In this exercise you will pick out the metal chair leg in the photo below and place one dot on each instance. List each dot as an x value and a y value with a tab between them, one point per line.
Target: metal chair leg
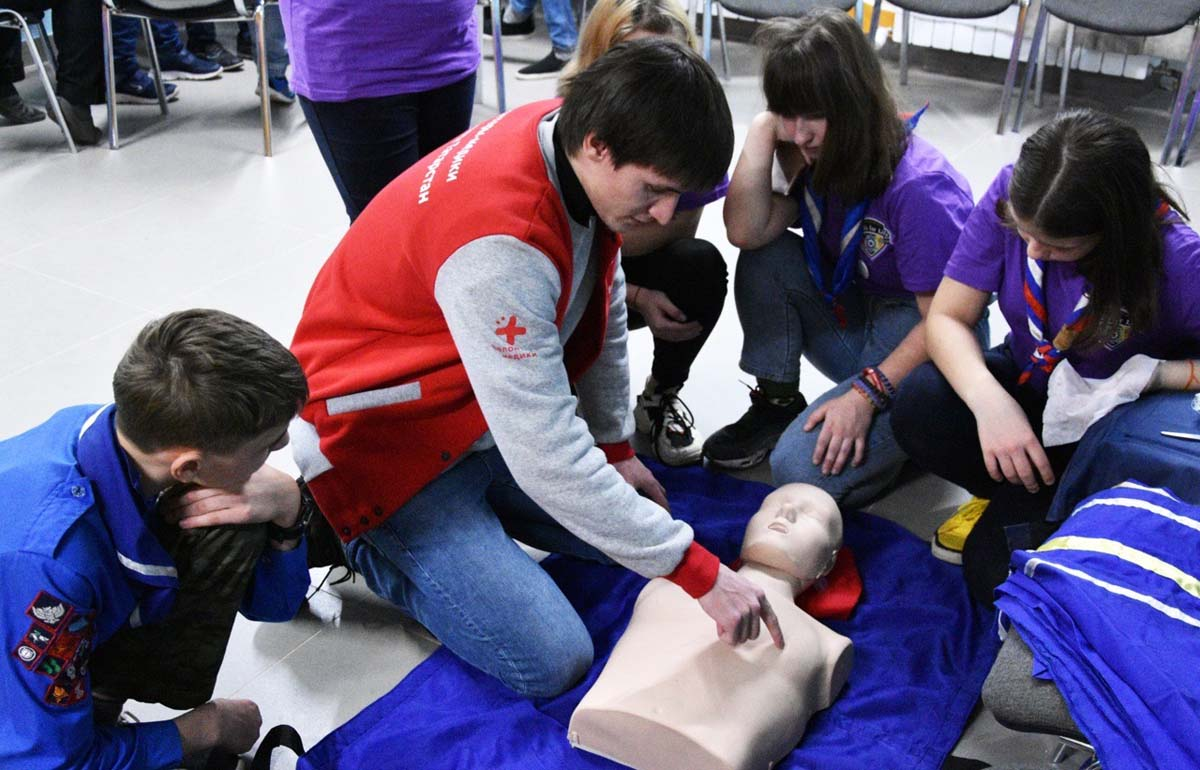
51	97
905	20
1068	49
1038	31
260	27
159	88
498	58
110	77
1010	77
724	40
876	6
1185	84
1041	72
706	32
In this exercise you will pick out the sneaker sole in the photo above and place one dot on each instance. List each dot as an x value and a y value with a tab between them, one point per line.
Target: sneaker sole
169	75
942	553
234	67
131	99
523	36
738	463
538	75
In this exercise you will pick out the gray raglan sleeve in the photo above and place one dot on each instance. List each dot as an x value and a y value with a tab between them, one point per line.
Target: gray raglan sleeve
498	288
604	389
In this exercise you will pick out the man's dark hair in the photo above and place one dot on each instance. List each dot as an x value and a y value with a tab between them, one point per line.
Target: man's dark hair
205	379
1088	173
653	103
821	66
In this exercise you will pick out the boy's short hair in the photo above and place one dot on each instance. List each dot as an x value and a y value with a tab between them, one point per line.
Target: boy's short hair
653	103
205	379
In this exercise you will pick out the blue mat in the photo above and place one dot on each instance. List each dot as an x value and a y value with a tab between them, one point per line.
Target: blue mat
922	650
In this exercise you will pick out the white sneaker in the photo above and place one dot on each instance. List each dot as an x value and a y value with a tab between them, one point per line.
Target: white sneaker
669	423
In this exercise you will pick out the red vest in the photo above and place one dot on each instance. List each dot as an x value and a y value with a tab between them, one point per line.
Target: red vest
371	322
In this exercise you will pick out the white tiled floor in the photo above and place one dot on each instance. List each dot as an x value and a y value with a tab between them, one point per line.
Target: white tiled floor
189	213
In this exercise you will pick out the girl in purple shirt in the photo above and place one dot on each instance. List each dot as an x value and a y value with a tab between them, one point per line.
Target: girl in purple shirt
881	210
1092	263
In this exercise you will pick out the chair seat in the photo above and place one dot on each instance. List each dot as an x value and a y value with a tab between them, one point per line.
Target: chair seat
954	9
1121	17
769	9
183	10
1021	702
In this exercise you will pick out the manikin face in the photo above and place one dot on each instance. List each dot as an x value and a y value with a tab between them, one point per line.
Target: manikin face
798	530
628	196
1046	247
807	133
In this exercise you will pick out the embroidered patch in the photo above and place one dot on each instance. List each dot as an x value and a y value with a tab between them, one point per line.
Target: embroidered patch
875	238
1121	332
509	328
58	645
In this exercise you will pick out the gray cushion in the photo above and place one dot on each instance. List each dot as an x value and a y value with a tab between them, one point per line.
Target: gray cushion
1021	702
1123	17
769	9
954	9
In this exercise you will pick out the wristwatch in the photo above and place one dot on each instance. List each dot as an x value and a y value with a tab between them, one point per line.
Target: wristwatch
308	506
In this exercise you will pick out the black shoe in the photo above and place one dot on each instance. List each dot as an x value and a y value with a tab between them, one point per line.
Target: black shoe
283	737
748	441
215	52
517	30
546	68
245	47
16	111
79	122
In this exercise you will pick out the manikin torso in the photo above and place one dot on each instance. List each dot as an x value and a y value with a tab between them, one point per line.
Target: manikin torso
674	697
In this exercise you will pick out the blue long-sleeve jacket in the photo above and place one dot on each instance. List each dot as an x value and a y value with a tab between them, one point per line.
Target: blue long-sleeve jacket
78	563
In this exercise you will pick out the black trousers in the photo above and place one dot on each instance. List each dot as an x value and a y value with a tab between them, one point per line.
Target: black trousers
693	275
940	435
80	50
366	143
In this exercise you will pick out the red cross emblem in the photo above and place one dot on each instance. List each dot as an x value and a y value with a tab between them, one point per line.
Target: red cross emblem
512	331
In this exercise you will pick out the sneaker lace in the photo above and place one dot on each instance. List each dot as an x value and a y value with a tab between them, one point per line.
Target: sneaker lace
675	419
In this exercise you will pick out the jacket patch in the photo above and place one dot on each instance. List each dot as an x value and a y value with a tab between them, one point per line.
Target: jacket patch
875	238
58	645
508	330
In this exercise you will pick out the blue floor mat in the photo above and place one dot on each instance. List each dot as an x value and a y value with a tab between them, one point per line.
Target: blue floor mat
922	649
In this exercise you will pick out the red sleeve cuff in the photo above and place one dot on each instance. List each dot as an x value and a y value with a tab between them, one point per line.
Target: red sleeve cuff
697	572
615	453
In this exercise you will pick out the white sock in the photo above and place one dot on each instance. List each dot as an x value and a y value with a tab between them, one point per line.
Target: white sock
512	17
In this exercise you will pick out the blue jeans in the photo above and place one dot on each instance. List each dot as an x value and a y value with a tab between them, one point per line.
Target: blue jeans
366	143
125	32
784	317
447	559
560	18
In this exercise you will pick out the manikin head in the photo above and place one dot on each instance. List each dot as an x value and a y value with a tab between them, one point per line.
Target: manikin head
798	530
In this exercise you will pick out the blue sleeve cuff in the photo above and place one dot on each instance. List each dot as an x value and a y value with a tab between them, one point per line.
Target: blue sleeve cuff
158	743
280	585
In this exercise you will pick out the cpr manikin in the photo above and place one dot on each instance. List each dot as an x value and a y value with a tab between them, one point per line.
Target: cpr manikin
674	697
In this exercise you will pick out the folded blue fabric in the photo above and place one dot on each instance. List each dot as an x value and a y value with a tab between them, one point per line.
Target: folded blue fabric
922	649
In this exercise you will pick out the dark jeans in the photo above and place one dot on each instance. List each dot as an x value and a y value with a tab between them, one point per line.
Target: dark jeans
940	435
366	143
126	31
200	33
77	35
692	274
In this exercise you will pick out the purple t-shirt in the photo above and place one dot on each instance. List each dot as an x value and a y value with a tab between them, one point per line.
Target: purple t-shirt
358	49
991	257
909	230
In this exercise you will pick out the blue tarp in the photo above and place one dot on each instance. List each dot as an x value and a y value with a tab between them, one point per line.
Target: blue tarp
922	649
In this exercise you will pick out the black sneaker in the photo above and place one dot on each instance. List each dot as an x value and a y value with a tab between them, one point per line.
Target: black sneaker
748	441
14	109
245	47
517	30
546	68
79	122
215	52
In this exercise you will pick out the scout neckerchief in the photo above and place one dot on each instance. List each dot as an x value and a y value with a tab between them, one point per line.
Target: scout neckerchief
812	215
142	557
1047	355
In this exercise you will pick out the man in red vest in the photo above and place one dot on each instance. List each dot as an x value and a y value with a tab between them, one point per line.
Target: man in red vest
466	352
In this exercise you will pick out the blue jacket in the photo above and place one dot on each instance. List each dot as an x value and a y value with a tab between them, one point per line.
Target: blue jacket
77	564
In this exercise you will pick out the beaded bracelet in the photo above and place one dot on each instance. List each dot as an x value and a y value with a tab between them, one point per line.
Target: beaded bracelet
879	381
865	390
